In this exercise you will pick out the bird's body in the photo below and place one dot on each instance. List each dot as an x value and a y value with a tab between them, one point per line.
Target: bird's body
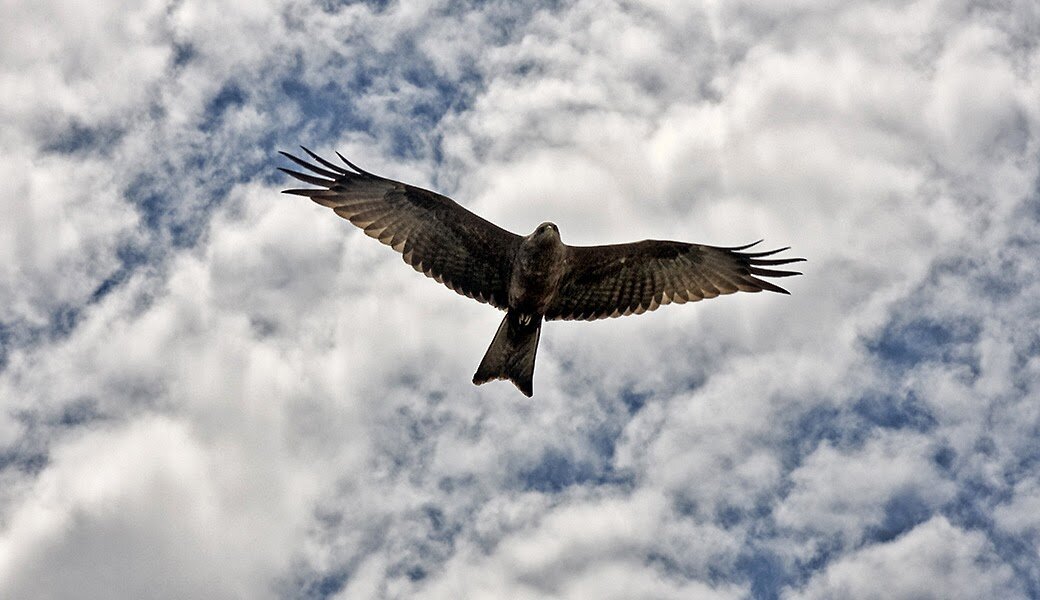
537	270
535	277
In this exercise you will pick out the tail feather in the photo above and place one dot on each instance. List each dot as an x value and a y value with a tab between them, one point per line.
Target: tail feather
511	354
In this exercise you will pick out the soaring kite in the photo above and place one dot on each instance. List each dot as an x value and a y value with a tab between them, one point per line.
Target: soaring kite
531	277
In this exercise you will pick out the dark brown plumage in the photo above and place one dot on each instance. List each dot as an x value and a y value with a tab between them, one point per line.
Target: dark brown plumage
530	277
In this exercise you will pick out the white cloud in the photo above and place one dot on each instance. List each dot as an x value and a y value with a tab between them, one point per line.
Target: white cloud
596	547
846	496
76	63
261	376
65	222
935	560
145	510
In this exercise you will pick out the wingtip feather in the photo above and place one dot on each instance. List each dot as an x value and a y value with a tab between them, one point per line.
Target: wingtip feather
306	165
770	287
324	162
353	166
308	178
772	272
743	247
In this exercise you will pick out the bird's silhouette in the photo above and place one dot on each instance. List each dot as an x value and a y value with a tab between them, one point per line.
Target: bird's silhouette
532	277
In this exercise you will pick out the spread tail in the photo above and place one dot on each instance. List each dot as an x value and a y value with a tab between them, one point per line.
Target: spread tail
511	354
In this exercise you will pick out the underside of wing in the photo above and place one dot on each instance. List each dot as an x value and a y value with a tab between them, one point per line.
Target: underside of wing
432	232
625	279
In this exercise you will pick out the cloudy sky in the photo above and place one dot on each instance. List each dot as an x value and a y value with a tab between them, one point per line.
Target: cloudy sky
209	389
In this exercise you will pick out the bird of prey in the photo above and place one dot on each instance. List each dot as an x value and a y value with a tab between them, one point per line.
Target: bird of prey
532	277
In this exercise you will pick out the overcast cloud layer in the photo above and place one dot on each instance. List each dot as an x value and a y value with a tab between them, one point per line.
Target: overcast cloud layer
212	390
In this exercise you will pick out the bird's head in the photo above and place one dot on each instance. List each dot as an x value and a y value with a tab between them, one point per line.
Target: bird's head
546	230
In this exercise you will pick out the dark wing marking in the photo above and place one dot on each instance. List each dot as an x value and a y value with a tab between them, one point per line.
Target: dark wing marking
624	279
433	233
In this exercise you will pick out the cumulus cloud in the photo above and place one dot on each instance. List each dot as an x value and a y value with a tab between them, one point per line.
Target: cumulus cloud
143	510
210	385
935	560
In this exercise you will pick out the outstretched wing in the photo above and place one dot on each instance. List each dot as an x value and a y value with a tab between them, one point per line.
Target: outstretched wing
624	279
433	233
